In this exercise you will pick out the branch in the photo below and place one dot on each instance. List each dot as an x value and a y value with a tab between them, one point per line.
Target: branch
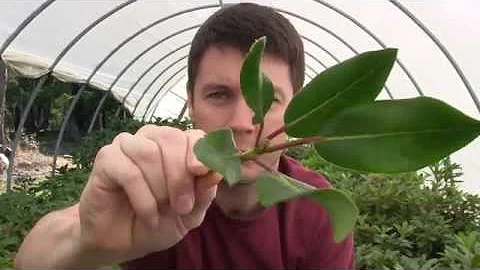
257	141
276	133
251	155
263	165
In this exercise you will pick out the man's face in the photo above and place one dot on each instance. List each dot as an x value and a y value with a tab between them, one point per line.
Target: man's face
217	102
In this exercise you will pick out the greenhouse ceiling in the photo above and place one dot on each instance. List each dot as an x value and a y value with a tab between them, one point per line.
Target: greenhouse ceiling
138	49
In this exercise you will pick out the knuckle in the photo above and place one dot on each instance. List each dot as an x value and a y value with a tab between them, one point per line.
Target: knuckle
121	136
170	133
162	134
147	128
196	132
105	152
148	151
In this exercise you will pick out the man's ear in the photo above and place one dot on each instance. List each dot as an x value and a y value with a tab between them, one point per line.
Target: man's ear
189	102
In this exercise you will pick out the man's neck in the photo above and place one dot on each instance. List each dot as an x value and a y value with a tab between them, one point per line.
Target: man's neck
238	202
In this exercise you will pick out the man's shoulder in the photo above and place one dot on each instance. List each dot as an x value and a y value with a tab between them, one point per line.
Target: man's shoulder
296	170
309	213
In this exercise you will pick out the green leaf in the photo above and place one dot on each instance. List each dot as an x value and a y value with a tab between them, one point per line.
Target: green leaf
355	81
217	151
393	136
257	89
343	213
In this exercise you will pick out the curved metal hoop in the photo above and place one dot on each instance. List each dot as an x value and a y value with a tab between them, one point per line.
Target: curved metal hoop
39	85
168	90
443	49
134	60
117	48
153	82
329	32
378	40
161	87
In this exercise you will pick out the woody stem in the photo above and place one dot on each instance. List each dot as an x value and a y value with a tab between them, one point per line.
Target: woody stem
269	149
257	141
276	133
263	165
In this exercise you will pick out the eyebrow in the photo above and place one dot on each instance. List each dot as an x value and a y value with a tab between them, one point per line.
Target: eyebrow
219	86
222	86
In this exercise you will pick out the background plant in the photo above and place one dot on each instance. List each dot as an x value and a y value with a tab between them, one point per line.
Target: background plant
21	208
404	223
84	154
407	220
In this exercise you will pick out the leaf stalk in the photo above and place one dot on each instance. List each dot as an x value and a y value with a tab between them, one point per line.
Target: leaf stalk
265	148
276	133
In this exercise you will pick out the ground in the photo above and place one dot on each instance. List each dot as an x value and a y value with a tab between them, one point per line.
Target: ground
34	161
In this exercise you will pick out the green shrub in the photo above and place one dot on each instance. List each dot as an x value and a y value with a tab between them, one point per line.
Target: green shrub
21	208
465	253
408	220
84	154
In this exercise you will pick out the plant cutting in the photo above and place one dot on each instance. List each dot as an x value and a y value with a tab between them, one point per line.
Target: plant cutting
338	113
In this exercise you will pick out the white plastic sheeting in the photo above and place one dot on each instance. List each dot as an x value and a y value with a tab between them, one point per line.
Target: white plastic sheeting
105	51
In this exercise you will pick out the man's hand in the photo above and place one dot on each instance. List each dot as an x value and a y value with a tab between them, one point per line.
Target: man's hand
142	195
145	192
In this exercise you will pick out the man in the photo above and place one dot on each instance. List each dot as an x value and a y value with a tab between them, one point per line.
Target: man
149	203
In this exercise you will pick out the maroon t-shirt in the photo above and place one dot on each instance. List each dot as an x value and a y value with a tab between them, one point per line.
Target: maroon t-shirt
295	234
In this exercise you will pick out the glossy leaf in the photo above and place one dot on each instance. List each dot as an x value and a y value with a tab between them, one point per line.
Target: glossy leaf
392	136
355	81
217	151
343	213
257	89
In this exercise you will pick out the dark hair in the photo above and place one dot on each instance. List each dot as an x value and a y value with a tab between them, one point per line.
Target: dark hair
238	26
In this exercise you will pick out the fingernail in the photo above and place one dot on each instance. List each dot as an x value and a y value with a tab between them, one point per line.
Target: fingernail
184	204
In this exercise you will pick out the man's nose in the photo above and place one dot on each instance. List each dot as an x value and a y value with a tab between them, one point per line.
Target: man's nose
241	119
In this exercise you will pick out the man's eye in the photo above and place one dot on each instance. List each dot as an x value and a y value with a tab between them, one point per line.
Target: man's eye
218	96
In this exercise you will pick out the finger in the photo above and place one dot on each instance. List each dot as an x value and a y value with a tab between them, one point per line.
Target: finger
207	181
179	182
115	167
204	199
207	178
146	155
196	167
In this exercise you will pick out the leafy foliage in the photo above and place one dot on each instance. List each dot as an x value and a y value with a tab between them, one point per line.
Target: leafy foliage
355	81
218	150
277	188
408	220
21	208
84	153
465	254
48	110
256	87
391	136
